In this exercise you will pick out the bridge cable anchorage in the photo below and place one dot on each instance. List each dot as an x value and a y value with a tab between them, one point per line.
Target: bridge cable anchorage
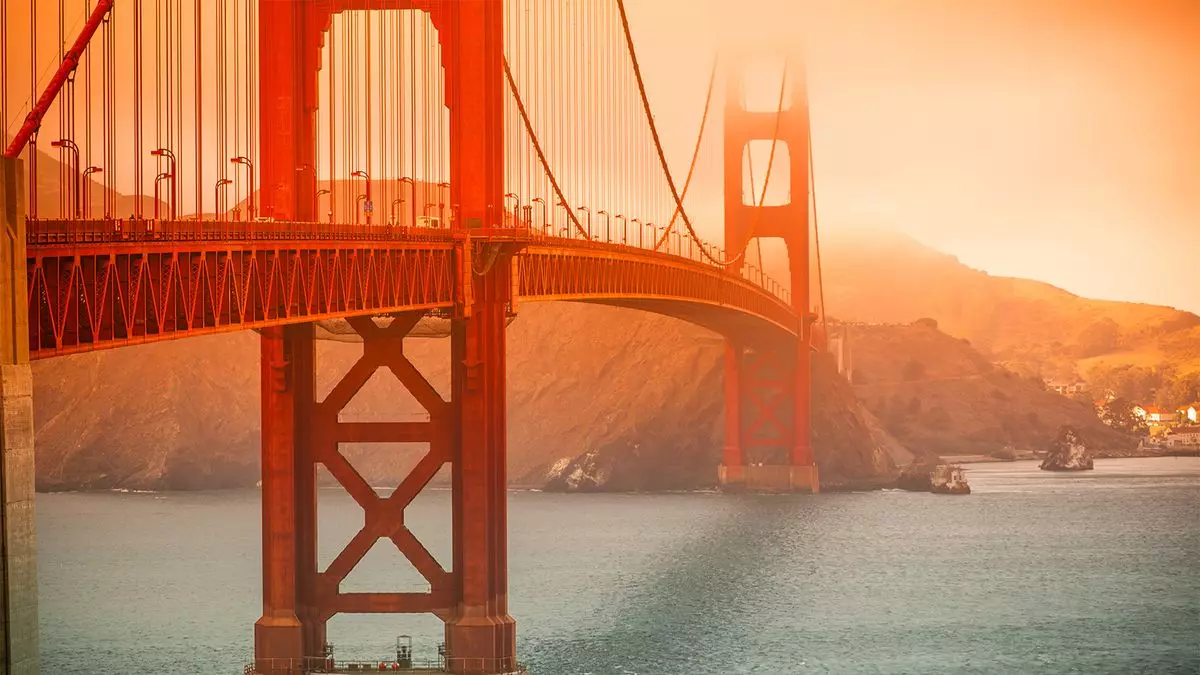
663	159
687	182
537	147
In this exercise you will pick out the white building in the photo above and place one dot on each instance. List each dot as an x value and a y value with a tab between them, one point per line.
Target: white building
1184	437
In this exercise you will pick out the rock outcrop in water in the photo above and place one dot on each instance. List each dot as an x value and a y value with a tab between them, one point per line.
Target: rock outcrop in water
1067	452
948	479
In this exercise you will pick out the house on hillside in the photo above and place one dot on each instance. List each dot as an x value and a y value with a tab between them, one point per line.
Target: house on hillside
1066	388
1189	413
1155	416
1186	438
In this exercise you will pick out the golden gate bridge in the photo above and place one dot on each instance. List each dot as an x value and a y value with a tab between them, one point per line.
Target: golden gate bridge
276	165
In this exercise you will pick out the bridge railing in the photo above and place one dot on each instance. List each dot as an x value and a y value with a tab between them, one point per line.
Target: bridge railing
315	665
127	230
75	232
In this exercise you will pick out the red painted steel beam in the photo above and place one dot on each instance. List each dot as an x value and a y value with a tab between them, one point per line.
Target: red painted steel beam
70	61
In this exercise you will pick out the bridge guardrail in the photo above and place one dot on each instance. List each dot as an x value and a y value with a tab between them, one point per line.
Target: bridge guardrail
323	666
72	232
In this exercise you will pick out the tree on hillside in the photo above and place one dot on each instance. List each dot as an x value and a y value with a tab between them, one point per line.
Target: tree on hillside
1118	414
912	370
1134	383
1101	337
1179	391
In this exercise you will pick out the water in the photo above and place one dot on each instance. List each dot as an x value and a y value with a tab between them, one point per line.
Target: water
1035	572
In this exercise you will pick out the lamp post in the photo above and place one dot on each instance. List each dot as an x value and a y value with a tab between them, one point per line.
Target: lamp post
589	219
366	197
317	204
68	144
245	161
86	206
170	173
425	212
641	230
412	197
358	202
217	196
624	227
516	207
157	179
567	231
396	208
607	221
442	202
545	221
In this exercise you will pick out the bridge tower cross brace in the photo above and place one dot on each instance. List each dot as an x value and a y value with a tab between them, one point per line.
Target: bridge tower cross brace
768	390
468	431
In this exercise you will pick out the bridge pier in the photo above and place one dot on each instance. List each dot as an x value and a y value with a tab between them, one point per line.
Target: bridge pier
18	549
768	442
468	431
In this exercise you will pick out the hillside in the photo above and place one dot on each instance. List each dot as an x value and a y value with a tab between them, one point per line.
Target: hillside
1030	327
935	393
183	415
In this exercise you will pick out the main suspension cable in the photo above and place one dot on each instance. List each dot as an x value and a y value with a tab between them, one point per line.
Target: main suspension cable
537	147
663	159
687	182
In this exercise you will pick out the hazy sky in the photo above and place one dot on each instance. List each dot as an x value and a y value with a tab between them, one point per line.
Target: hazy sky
1052	139
1057	140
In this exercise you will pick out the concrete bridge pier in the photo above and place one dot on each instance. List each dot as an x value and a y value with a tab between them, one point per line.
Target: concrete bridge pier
18	551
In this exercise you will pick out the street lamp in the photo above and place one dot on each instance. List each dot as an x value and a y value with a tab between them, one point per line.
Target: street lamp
217	197
362	198
157	179
87	172
516	206
567	231
396	207
607	220
245	161
624	227
641	229
412	198
442	203
68	144
545	221
589	219
365	197
163	152
317	204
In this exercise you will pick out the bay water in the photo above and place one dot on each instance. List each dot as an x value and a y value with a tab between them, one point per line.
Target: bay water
1035	572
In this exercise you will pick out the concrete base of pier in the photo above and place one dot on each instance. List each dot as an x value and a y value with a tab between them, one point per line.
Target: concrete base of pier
18	553
768	478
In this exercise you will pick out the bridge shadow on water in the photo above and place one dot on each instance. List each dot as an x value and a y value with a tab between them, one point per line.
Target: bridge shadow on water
701	610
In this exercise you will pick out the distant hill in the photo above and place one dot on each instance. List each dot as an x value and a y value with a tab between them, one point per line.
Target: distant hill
1033	328
937	394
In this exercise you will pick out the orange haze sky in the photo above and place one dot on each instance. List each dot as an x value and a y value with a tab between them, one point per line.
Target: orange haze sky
1056	140
1052	139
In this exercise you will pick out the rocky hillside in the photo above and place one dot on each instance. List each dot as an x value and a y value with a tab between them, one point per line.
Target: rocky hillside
643	388
936	393
881	276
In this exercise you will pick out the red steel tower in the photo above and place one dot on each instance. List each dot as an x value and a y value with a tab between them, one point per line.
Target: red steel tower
768	391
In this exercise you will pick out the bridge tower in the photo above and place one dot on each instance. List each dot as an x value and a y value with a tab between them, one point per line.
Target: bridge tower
468	431
768	390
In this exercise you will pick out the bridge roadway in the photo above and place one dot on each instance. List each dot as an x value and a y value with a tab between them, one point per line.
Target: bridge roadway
102	284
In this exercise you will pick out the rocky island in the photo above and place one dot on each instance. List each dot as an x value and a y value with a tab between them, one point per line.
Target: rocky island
1067	453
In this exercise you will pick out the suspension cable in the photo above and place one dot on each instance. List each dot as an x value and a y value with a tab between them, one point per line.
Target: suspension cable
537	147
687	182
812	183
663	159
